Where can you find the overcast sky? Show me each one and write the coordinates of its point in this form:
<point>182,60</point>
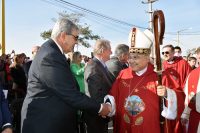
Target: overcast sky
<point>26,19</point>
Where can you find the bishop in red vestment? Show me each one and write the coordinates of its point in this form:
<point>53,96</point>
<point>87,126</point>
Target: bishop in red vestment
<point>137,104</point>
<point>135,90</point>
<point>176,70</point>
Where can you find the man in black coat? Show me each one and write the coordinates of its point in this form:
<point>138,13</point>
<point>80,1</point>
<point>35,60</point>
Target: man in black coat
<point>119,61</point>
<point>98,82</point>
<point>53,97</point>
<point>27,65</point>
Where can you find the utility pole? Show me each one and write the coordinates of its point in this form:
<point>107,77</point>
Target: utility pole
<point>150,2</point>
<point>3,26</point>
<point>150,11</point>
<point>178,41</point>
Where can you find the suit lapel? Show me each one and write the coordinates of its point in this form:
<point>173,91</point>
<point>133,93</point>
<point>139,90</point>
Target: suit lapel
<point>105,72</point>
<point>55,47</point>
<point>62,56</point>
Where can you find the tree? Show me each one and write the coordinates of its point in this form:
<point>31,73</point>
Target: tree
<point>85,32</point>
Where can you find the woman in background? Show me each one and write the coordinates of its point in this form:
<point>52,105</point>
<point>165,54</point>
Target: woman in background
<point>77,69</point>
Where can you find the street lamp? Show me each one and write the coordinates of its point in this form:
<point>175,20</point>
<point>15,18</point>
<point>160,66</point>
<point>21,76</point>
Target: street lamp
<point>178,33</point>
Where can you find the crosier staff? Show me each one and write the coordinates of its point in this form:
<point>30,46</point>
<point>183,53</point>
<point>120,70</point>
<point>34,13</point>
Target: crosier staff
<point>158,16</point>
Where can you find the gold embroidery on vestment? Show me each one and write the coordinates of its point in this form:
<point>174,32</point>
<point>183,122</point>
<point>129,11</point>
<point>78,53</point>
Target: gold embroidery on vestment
<point>126,118</point>
<point>150,86</point>
<point>125,84</point>
<point>139,120</point>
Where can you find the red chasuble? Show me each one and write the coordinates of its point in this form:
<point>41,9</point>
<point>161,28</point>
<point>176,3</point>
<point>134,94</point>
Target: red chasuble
<point>174,77</point>
<point>137,104</point>
<point>194,118</point>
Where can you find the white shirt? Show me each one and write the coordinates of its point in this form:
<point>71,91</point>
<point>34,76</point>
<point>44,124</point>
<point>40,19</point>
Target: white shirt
<point>61,50</point>
<point>102,62</point>
<point>139,73</point>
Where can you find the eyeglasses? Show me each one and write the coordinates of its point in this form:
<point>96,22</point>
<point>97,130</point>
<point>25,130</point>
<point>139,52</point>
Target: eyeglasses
<point>75,37</point>
<point>167,52</point>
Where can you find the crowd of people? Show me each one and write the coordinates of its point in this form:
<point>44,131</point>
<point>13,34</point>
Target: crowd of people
<point>52,93</point>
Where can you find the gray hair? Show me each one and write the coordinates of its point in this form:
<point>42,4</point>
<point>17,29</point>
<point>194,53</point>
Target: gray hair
<point>63,25</point>
<point>101,45</point>
<point>121,49</point>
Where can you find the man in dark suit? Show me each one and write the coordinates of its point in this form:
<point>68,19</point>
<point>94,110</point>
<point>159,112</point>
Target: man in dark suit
<point>53,97</point>
<point>5,116</point>
<point>119,61</point>
<point>98,82</point>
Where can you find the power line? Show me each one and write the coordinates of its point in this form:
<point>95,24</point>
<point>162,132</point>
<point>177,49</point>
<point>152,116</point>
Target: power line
<point>98,14</point>
<point>171,33</point>
<point>101,22</point>
<point>102,16</point>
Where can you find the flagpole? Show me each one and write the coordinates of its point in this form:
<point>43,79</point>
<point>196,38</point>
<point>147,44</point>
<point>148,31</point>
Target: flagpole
<point>3,26</point>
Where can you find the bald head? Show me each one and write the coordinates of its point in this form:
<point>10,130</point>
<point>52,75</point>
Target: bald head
<point>34,50</point>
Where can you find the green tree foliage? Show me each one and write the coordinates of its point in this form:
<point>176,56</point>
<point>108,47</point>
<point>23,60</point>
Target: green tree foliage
<point>85,33</point>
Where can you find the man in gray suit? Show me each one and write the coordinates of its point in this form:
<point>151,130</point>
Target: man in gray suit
<point>119,61</point>
<point>53,97</point>
<point>98,82</point>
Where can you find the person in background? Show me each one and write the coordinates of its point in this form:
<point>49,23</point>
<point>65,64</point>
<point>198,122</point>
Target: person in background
<point>77,69</point>
<point>198,57</point>
<point>27,65</point>
<point>177,70</point>
<point>191,113</point>
<point>177,51</point>
<point>3,71</point>
<point>23,58</point>
<point>98,82</point>
<point>192,62</point>
<point>18,76</point>
<point>8,77</point>
<point>85,59</point>
<point>53,97</point>
<point>18,92</point>
<point>119,61</point>
<point>69,57</point>
<point>5,116</point>
<point>185,58</point>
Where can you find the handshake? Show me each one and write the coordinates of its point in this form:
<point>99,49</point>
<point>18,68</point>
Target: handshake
<point>108,107</point>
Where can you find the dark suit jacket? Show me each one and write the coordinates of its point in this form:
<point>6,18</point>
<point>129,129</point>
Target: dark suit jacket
<point>5,116</point>
<point>98,83</point>
<point>115,66</point>
<point>26,67</point>
<point>52,96</point>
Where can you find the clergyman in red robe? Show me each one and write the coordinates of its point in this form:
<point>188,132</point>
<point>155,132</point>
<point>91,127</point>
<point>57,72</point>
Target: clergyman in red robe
<point>176,70</point>
<point>191,113</point>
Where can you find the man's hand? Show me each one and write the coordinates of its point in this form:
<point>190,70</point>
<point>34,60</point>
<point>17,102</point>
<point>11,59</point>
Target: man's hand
<point>161,91</point>
<point>105,110</point>
<point>7,130</point>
